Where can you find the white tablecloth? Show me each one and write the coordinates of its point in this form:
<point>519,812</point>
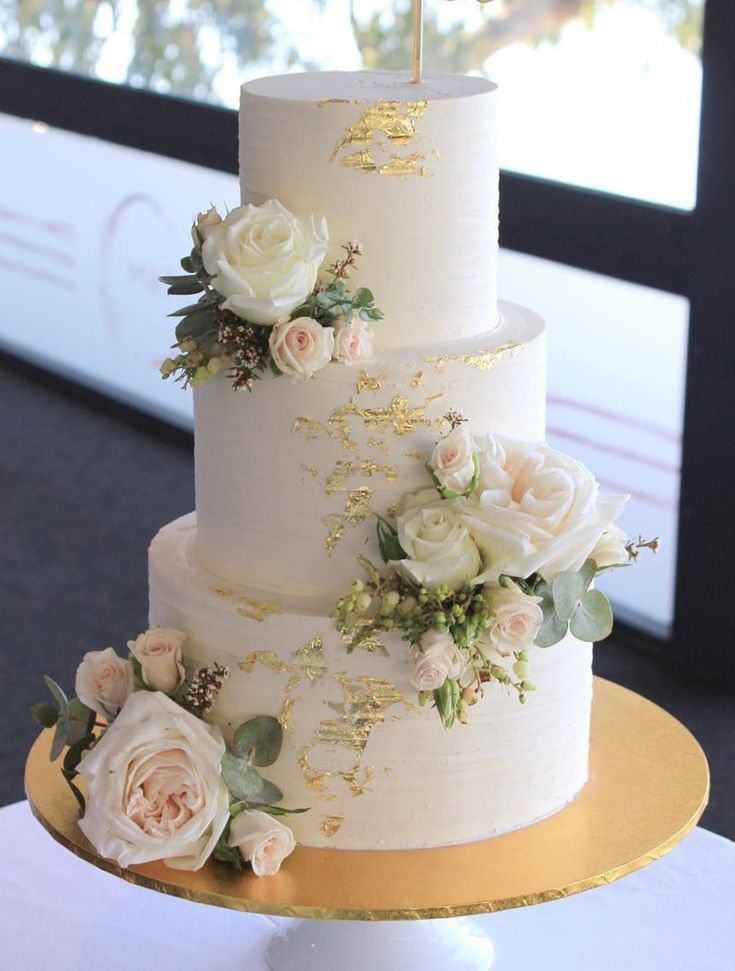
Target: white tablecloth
<point>60,913</point>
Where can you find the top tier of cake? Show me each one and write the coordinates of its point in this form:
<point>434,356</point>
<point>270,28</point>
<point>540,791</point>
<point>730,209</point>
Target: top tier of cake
<point>409,170</point>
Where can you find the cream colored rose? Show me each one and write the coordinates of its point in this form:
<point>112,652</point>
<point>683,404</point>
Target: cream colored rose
<point>155,789</point>
<point>453,460</point>
<point>611,548</point>
<point>264,260</point>
<point>353,342</point>
<point>104,682</point>
<point>206,222</point>
<point>264,842</point>
<point>516,621</point>
<point>436,659</point>
<point>535,511</point>
<point>301,347</point>
<point>159,653</point>
<point>439,549</point>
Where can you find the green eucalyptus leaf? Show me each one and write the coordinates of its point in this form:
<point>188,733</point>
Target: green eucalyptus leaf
<point>61,735</point>
<point>593,618</point>
<point>196,325</point>
<point>45,714</point>
<point>242,780</point>
<point>194,308</point>
<point>187,264</point>
<point>566,589</point>
<point>259,740</point>
<point>57,693</point>
<point>362,297</point>
<point>268,793</point>
<point>388,542</point>
<point>81,720</point>
<point>588,572</point>
<point>552,629</point>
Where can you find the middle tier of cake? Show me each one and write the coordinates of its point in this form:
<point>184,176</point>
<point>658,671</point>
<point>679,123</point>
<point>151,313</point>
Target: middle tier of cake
<point>375,770</point>
<point>288,478</point>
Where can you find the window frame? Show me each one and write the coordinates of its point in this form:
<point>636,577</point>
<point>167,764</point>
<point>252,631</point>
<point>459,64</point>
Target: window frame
<point>686,253</point>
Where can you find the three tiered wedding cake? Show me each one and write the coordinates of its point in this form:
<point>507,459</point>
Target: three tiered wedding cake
<point>443,694</point>
<point>288,478</point>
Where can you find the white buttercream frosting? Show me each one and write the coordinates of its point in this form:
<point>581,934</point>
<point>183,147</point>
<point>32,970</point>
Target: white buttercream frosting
<point>409,170</point>
<point>404,781</point>
<point>276,469</point>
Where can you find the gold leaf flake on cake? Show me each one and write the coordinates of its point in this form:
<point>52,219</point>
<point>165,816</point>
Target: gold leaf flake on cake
<point>306,663</point>
<point>363,161</point>
<point>284,716</point>
<point>391,122</point>
<point>268,659</point>
<point>392,510</point>
<point>331,825</point>
<point>311,470</point>
<point>356,511</point>
<point>412,453</point>
<point>345,469</point>
<point>416,380</point>
<point>224,592</point>
<point>370,382</point>
<point>334,101</point>
<point>405,165</point>
<point>258,610</point>
<point>371,643</point>
<point>379,444</point>
<point>480,360</point>
<point>393,119</point>
<point>364,705</point>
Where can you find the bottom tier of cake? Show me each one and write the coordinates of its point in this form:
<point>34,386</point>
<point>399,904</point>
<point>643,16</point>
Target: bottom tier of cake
<point>375,770</point>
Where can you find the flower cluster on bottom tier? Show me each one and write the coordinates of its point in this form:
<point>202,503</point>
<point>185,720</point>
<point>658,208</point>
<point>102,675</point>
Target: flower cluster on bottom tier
<point>377,771</point>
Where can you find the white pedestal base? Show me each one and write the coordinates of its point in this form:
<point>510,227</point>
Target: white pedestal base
<point>321,945</point>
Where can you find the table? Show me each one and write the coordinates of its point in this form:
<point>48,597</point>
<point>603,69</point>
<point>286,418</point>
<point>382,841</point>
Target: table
<point>678,914</point>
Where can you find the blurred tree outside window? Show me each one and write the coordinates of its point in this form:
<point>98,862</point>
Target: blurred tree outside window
<point>602,93</point>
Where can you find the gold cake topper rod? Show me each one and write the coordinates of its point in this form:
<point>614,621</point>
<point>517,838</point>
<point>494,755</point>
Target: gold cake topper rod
<point>418,38</point>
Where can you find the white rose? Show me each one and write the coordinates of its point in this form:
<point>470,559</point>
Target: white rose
<point>439,549</point>
<point>264,842</point>
<point>104,682</point>
<point>264,260</point>
<point>436,659</point>
<point>453,461</point>
<point>155,790</point>
<point>516,621</point>
<point>302,346</point>
<point>159,654</point>
<point>535,511</point>
<point>611,548</point>
<point>353,342</point>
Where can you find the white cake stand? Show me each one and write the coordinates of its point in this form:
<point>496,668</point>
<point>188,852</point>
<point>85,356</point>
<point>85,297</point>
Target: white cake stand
<point>380,910</point>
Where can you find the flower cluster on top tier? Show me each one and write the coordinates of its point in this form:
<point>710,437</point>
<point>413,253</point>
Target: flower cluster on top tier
<point>161,783</point>
<point>498,557</point>
<point>262,305</point>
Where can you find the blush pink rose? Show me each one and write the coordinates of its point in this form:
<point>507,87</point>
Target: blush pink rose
<point>159,653</point>
<point>353,342</point>
<point>301,347</point>
<point>264,842</point>
<point>155,787</point>
<point>104,682</point>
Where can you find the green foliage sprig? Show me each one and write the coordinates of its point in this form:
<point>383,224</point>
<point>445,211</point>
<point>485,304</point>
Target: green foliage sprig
<point>210,339</point>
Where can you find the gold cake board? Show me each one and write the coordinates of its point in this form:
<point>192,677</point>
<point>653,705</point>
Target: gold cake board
<point>648,786</point>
